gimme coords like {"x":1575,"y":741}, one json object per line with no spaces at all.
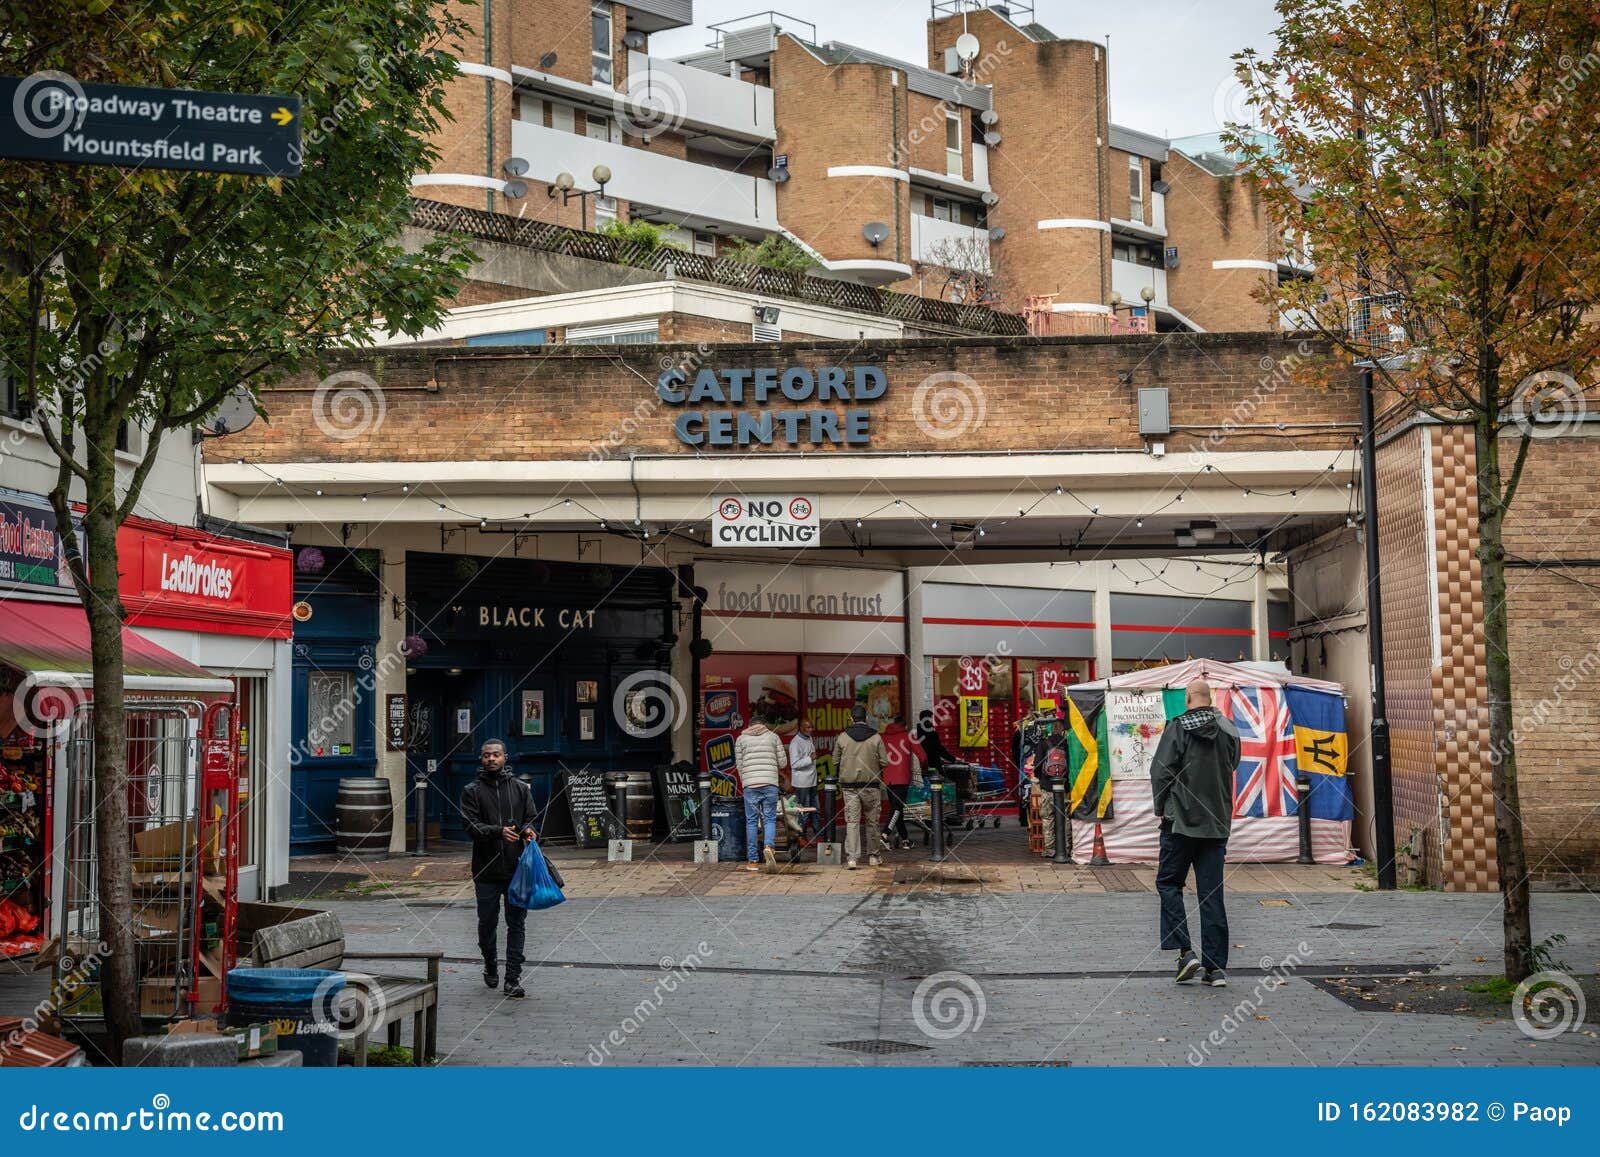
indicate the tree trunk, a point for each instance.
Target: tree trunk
{"x":119,"y":969}
{"x":1509,"y":852}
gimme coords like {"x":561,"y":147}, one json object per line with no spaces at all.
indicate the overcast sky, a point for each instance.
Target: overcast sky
{"x":1170,"y":67}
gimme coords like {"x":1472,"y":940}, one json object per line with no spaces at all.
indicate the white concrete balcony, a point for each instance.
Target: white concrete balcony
{"x":1158,"y":212}
{"x":699,"y":99}
{"x":949,"y":243}
{"x":1129,"y":278}
{"x":691,"y":194}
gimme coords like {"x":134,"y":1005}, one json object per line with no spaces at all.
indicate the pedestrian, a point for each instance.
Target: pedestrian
{"x":935,"y":754}
{"x":759,"y":757}
{"x":803,"y":773}
{"x":499,"y":814}
{"x":1192,"y":781}
{"x":897,"y":776}
{"x":861,"y":758}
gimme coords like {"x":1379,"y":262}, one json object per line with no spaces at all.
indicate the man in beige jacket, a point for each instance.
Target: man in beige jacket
{"x":862,"y":758}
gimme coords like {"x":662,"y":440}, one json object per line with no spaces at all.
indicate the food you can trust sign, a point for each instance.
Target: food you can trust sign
{"x":765,"y":520}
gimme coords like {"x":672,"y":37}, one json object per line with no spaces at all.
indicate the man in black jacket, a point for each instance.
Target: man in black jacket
{"x":498,"y":809}
{"x":1192,"y":781}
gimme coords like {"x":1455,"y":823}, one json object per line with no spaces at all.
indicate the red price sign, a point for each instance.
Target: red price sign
{"x":973,"y":678}
{"x":1049,"y":682}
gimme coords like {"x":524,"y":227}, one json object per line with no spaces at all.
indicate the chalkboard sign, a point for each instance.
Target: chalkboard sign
{"x":680,"y":800}
{"x":586,"y":801}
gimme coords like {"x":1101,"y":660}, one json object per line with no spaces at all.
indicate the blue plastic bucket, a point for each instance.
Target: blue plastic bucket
{"x":302,"y":1002}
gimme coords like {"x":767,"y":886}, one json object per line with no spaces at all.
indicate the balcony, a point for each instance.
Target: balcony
{"x":702,"y":99}
{"x":948,"y":243}
{"x":659,"y":15}
{"x":696,"y":196}
{"x":1129,"y":278}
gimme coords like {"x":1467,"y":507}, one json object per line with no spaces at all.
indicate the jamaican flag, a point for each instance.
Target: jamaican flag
{"x":1087,"y":749}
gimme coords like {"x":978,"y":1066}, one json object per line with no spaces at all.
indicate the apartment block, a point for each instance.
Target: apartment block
{"x":991,"y":174}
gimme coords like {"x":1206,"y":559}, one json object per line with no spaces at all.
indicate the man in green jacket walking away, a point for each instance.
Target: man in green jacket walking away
{"x":862,"y":758}
{"x":1192,"y":778}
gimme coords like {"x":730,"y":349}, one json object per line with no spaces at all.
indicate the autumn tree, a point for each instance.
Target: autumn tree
{"x":1451,"y":155}
{"x":145,"y":296}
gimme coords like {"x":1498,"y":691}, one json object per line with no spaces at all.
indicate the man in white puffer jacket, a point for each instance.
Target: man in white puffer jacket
{"x":759,"y":756}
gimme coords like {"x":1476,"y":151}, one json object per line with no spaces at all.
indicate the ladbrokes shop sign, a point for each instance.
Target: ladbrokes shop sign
{"x":771,"y":405}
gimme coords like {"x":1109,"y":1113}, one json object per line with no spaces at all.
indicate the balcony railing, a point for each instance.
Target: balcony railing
{"x":913,"y":310}
{"x":949,"y":243}
{"x":700,"y":97}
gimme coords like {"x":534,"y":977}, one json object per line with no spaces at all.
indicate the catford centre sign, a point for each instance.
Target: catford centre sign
{"x":752,"y":406}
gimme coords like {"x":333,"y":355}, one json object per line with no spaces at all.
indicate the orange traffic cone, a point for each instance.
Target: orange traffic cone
{"x":1099,"y":860}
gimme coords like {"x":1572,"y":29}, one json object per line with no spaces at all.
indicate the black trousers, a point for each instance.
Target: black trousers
{"x":491,"y":894}
{"x":897,"y":809}
{"x":1178,"y":855}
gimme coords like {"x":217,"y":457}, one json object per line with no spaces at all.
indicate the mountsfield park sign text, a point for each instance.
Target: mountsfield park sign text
{"x":765,"y":405}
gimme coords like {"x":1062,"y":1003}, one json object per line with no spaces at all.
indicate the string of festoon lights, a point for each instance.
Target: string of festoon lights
{"x":637,"y":528}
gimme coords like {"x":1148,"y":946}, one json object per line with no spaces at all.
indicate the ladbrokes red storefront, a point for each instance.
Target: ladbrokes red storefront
{"x":224,"y":604}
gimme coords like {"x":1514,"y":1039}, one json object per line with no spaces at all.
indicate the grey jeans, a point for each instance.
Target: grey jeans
{"x":862,"y":806}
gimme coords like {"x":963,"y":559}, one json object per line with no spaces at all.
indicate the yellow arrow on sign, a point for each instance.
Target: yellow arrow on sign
{"x":283,"y":116}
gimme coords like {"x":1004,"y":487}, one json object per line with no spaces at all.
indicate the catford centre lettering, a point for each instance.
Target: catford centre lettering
{"x":566,"y":618}
{"x":759,"y":386}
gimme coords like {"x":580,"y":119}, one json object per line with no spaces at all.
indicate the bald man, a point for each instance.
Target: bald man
{"x":1192,"y":779}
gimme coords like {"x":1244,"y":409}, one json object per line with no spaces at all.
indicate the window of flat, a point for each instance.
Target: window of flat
{"x":1135,"y":190}
{"x":600,"y":27}
{"x":945,"y":210}
{"x":605,"y":211}
{"x":952,"y":144}
{"x":11,"y":402}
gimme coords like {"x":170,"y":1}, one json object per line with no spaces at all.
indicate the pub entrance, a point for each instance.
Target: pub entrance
{"x":547,"y":657}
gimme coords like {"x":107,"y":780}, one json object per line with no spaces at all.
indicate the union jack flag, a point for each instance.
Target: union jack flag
{"x":1264,"y":782}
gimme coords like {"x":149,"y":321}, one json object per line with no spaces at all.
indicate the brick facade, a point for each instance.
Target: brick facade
{"x":1212,"y":218}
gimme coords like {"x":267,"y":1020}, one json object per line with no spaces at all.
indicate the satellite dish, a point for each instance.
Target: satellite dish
{"x":547,"y":61}
{"x":777,"y":176}
{"x":1160,"y":187}
{"x":515,"y":167}
{"x":515,"y":190}
{"x":998,"y":233}
{"x":634,"y":39}
{"x":876,"y":233}
{"x":988,"y":116}
{"x":236,"y":412}
{"x":967,"y":47}
{"x":991,"y":139}
{"x":991,"y":198}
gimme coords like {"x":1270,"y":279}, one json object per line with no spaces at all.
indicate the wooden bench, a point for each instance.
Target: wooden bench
{"x":284,"y":936}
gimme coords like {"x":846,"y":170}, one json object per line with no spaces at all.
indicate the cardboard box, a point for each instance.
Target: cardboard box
{"x":257,"y":1040}
{"x":159,"y":996}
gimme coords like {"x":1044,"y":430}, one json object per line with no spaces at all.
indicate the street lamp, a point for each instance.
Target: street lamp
{"x":566,"y":184}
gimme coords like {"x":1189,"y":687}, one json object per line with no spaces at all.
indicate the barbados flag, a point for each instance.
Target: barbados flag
{"x":1322,"y":749}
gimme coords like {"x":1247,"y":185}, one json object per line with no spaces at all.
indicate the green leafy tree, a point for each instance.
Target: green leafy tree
{"x":773,"y":251}
{"x":1450,"y":151}
{"x":147,"y":296}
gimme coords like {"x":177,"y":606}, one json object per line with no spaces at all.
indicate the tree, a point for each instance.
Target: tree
{"x":774,"y":251}
{"x":1451,"y":151}
{"x":972,"y":272}
{"x":146,"y":296}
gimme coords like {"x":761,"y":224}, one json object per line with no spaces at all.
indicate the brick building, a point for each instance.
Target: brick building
{"x":991,"y":173}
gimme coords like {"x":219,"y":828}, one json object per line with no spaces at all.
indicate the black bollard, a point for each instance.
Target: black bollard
{"x":826,"y":792}
{"x":619,"y":808}
{"x":936,"y":816}
{"x":704,"y":784}
{"x":1302,"y":789}
{"x":420,"y":782}
{"x":1058,"y":801}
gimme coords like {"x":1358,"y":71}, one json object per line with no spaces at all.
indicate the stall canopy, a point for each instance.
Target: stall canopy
{"x":1287,"y":723}
{"x":49,"y":642}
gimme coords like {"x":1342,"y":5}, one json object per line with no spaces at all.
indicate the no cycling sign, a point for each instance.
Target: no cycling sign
{"x":765,"y":520}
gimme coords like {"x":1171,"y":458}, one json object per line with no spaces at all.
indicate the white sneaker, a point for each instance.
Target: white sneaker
{"x":850,"y":864}
{"x":875,"y":861}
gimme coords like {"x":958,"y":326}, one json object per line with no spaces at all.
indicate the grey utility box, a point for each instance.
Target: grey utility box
{"x":1154,"y":419}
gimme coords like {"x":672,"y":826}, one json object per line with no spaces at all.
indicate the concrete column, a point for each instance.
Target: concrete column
{"x":391,"y":680}
{"x":1260,"y":621}
{"x":1102,"y":622}
{"x":915,"y":659}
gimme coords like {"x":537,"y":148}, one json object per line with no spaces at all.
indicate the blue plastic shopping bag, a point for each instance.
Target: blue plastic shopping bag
{"x":532,"y":887}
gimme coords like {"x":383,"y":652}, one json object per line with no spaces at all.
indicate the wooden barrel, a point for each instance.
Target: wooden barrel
{"x":365,"y":818}
{"x":639,"y":805}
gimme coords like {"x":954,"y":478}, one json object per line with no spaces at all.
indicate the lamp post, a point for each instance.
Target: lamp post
{"x":566,"y":184}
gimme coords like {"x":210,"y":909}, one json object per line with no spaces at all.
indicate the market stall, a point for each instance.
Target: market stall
{"x":1287,"y":723}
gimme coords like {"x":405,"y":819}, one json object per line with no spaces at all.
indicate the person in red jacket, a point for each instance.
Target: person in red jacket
{"x":904,"y":760}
